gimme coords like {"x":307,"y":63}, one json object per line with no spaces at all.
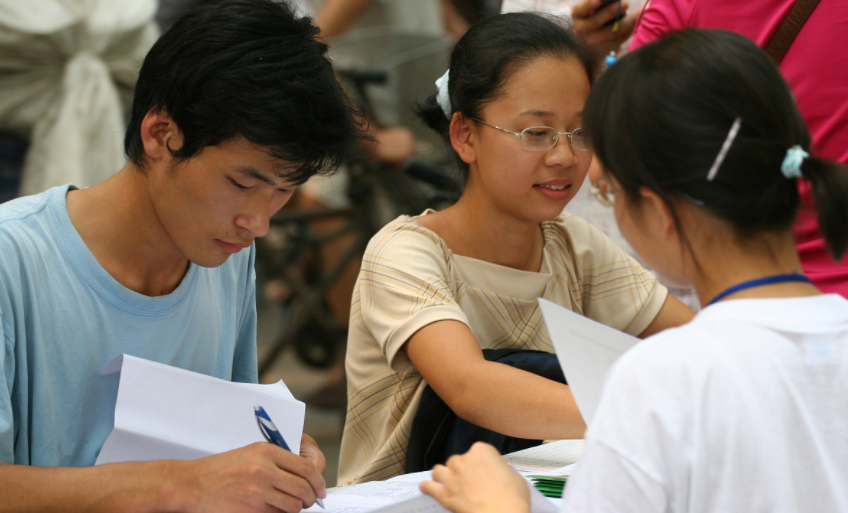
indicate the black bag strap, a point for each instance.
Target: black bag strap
{"x":782,"y":39}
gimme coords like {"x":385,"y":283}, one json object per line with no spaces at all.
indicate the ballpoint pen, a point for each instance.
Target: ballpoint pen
{"x":273,"y":435}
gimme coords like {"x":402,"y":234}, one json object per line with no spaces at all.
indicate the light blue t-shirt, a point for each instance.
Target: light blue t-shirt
{"x":63,"y":318}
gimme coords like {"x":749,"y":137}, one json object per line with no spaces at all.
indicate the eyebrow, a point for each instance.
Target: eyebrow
{"x":543,"y":113}
{"x":251,"y":172}
{"x":538,"y":113}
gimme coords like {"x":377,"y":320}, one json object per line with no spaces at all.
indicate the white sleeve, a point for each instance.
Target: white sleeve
{"x":606,"y":481}
{"x":638,"y":454}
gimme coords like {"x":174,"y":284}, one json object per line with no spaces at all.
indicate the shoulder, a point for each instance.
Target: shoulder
{"x":14,"y":214}
{"x":692,"y":353}
{"x":404,"y":241}
{"x":25,"y":230}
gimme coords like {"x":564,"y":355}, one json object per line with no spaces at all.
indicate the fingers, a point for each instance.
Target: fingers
{"x":309,"y":449}
{"x":584,"y":8}
{"x":627,"y":25}
{"x":595,"y":20}
{"x":433,"y":489}
{"x":301,"y":478}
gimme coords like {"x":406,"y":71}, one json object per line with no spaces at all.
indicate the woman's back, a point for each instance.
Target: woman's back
{"x":745,"y":408}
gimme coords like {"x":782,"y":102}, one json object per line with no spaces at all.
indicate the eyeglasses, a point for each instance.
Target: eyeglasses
{"x":604,"y":193}
{"x":541,"y":138}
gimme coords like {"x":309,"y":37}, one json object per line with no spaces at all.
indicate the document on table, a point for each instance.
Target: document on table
{"x":586,"y":350}
{"x":344,"y":501}
{"x":401,"y":495}
{"x":163,"y":412}
{"x":554,"y":458}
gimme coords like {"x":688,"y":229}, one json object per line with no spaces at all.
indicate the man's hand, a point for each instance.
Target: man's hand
{"x":479,"y":480}
{"x":309,"y":449}
{"x":258,"y":478}
{"x":590,"y":21}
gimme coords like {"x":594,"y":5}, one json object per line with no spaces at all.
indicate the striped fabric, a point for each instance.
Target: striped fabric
{"x":410,"y":278}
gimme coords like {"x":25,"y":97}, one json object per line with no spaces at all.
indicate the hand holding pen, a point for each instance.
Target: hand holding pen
{"x":273,"y":435}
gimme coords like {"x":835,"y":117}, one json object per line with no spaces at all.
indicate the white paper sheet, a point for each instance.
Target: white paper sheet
{"x":401,"y":495}
{"x":426,"y":504}
{"x":163,"y":412}
{"x":554,"y":458}
{"x":586,"y":350}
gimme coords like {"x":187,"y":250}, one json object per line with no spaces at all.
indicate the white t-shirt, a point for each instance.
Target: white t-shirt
{"x":745,"y":409}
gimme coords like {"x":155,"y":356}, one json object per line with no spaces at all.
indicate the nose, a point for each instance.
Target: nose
{"x":256,"y":221}
{"x":562,"y":154}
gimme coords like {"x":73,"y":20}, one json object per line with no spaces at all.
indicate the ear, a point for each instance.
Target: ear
{"x":657,"y":213}
{"x":596,"y":169}
{"x":159,"y":132}
{"x":462,"y":135}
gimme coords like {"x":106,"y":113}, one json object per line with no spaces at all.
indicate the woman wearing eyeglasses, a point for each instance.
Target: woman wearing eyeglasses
{"x":437,"y":289}
{"x":744,"y":408}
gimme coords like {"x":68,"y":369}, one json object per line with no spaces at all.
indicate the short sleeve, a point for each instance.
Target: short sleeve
{"x":638,"y":447}
{"x":244,"y":358}
{"x":607,"y":482}
{"x":615,"y":289}
{"x":404,"y":285}
{"x":661,"y":17}
{"x":7,"y":419}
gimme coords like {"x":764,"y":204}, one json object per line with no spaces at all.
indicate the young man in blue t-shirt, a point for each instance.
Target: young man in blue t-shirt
{"x":235,"y":106}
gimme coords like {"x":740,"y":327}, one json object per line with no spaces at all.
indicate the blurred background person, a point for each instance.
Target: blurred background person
{"x":816,"y":69}
{"x":67,"y":72}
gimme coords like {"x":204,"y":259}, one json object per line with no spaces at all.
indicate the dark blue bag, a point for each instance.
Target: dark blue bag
{"x":438,"y":433}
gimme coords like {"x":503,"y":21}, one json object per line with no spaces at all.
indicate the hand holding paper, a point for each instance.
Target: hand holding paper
{"x":165,"y":413}
{"x":479,"y":480}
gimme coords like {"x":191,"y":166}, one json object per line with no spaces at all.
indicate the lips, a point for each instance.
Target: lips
{"x":231,"y":247}
{"x":556,"y":190}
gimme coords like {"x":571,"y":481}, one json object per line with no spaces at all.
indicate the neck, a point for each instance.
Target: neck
{"x":118,"y":222}
{"x":730,"y":265}
{"x":480,"y":230}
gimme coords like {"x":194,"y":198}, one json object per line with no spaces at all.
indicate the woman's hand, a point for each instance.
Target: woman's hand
{"x":479,"y":480}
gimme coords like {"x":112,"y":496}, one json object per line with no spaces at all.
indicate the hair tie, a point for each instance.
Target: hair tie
{"x":442,"y":96}
{"x":791,"y":167}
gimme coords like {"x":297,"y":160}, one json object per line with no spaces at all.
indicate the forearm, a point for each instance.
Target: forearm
{"x":125,"y":487}
{"x":337,"y":15}
{"x":517,"y":403}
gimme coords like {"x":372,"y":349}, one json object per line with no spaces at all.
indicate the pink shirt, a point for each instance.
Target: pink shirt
{"x":816,"y":67}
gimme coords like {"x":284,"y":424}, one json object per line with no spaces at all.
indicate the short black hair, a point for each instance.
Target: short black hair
{"x":488,"y":55}
{"x":251,"y":68}
{"x":659,"y":117}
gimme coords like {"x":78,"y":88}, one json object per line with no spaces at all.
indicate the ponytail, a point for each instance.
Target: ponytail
{"x":830,"y":191}
{"x":431,"y":113}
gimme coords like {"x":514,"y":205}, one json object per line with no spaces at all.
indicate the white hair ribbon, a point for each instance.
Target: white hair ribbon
{"x":442,"y":96}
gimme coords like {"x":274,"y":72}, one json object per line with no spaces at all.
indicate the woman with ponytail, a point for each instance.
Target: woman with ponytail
{"x":438,"y":291}
{"x":744,"y":408}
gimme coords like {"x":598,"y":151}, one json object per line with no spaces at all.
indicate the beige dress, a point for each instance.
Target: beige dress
{"x":410,"y":278}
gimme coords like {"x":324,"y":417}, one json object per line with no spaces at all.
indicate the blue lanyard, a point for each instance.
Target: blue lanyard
{"x":768,"y":280}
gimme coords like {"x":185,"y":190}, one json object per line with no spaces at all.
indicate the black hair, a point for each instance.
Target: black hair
{"x":659,"y":117}
{"x":251,"y":68}
{"x":490,"y":53}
